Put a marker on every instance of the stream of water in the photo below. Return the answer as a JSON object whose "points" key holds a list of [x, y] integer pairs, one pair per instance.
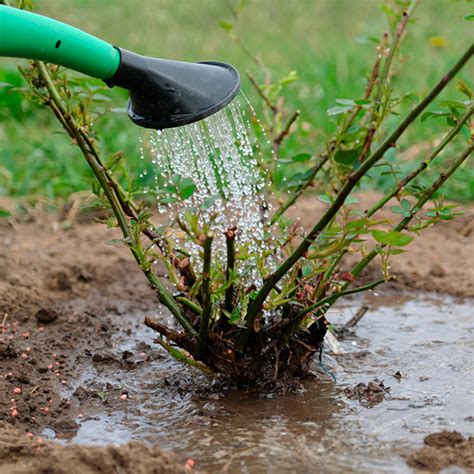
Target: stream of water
{"points": [[218, 155]]}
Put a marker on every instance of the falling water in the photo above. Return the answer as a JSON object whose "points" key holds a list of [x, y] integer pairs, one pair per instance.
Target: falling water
{"points": [[219, 155]]}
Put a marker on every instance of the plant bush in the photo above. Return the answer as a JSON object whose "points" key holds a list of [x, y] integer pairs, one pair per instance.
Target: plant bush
{"points": [[268, 333]]}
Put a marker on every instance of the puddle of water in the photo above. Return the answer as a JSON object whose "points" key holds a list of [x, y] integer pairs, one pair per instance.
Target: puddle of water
{"points": [[429, 340]]}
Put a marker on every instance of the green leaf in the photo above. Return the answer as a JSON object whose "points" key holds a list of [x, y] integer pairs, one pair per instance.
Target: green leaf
{"points": [[400, 210], [292, 76], [324, 198], [464, 88], [208, 203], [346, 102], [362, 102], [367, 40], [351, 200], [235, 316], [226, 25], [300, 157], [396, 251], [339, 110], [186, 188], [405, 204], [358, 225], [307, 270], [450, 121], [168, 200], [392, 237], [434, 114], [4, 213], [469, 17], [347, 157]]}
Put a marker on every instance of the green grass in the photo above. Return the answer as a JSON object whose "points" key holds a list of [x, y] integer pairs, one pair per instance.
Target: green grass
{"points": [[325, 41]]}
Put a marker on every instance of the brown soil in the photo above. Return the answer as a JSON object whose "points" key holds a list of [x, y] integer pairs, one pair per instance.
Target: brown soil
{"points": [[444, 449], [370, 394], [57, 287], [20, 454], [59, 284]]}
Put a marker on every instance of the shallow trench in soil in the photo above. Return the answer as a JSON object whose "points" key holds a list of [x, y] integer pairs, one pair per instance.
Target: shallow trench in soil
{"points": [[420, 345]]}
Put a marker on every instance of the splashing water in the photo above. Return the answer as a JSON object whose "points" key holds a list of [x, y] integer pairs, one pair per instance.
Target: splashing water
{"points": [[218, 155]]}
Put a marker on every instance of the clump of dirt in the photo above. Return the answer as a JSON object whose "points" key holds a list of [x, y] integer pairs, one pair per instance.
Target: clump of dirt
{"points": [[23, 453], [370, 394], [443, 449]]}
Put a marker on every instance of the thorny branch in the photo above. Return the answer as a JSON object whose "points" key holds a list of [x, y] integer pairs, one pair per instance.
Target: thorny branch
{"points": [[206, 294]]}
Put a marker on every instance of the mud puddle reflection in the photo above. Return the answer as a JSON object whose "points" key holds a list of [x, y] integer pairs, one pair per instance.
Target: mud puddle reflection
{"points": [[422, 348]]}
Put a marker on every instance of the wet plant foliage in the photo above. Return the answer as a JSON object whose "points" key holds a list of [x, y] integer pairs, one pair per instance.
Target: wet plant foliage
{"points": [[266, 330]]}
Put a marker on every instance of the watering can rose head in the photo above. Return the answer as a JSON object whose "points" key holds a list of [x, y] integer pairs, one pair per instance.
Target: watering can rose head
{"points": [[165, 93]]}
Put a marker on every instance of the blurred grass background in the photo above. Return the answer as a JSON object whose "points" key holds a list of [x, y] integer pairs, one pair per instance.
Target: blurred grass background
{"points": [[325, 41]]}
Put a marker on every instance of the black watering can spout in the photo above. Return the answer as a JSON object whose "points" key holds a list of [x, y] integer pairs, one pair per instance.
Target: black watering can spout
{"points": [[163, 93]]}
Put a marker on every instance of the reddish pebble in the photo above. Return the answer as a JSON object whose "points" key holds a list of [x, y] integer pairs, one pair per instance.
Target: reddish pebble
{"points": [[64, 382], [55, 356], [50, 366], [14, 412], [41, 328], [189, 464], [17, 390], [124, 396], [10, 337], [39, 440], [28, 349], [24, 355], [26, 335], [46, 409], [30, 434]]}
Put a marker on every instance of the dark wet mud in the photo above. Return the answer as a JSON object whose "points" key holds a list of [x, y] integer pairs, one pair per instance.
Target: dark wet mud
{"points": [[420, 350]]}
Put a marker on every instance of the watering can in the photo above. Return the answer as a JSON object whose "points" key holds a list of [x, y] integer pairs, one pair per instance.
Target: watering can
{"points": [[163, 93]]}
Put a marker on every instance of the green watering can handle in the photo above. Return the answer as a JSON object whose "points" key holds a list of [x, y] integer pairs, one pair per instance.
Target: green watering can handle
{"points": [[27, 35]]}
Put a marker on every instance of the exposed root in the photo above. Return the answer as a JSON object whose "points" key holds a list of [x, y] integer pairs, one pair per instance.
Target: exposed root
{"points": [[270, 356]]}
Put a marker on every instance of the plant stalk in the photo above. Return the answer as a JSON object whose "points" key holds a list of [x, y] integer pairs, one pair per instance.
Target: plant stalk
{"points": [[206, 296], [230, 246]]}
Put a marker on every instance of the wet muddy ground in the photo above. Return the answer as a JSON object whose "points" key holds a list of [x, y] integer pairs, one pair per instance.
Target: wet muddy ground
{"points": [[421, 350], [78, 367], [128, 389]]}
